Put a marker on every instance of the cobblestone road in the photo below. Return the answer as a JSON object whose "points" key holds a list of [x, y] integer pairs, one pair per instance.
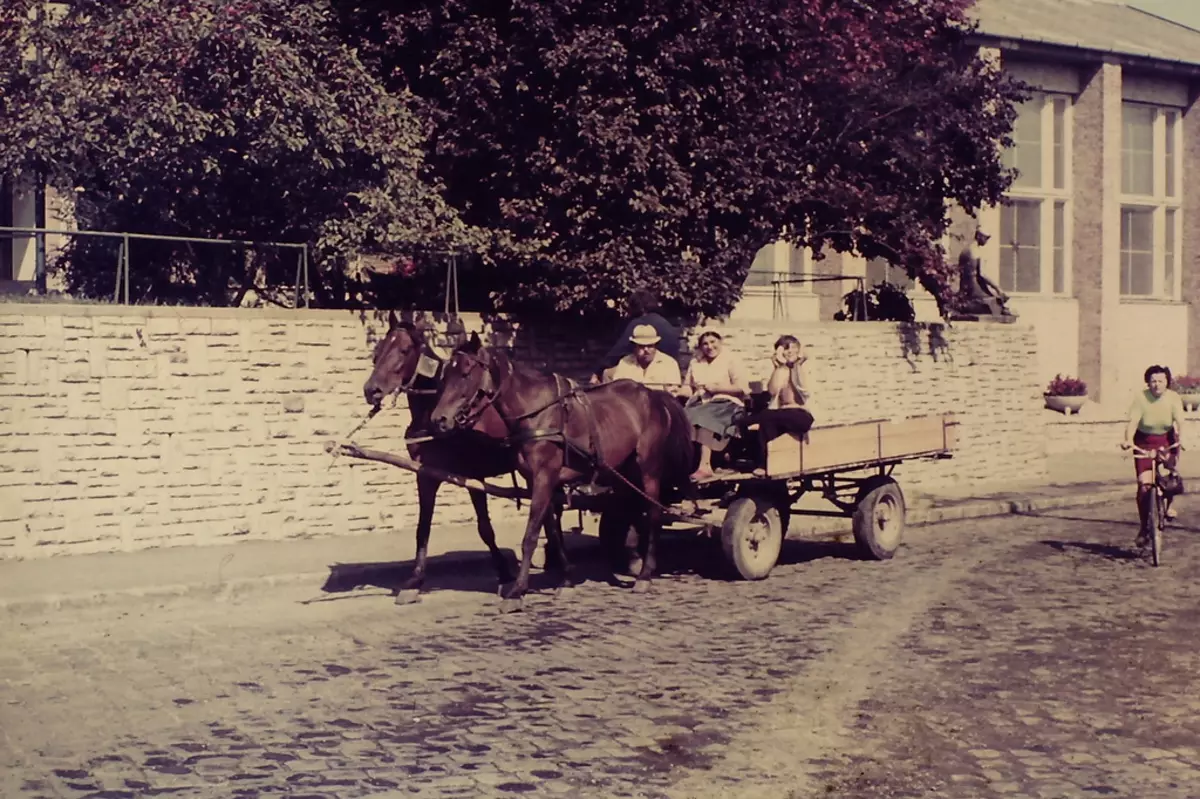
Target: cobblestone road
{"points": [[1006, 657]]}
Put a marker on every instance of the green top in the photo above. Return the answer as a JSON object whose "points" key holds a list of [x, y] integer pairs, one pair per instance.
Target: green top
{"points": [[1156, 416]]}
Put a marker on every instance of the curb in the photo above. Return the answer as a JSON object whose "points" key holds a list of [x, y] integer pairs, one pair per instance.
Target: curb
{"points": [[918, 515], [219, 592], [1007, 507]]}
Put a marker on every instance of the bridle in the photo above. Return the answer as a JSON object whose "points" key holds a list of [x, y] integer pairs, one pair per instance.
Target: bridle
{"points": [[489, 388], [424, 353]]}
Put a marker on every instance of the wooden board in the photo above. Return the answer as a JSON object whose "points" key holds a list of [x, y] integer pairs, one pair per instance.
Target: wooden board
{"points": [[861, 443]]}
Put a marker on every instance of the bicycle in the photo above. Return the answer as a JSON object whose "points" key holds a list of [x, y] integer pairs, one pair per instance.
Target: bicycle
{"points": [[1157, 511]]}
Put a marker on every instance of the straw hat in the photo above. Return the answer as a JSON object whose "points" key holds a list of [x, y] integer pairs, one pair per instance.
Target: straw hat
{"points": [[645, 335]]}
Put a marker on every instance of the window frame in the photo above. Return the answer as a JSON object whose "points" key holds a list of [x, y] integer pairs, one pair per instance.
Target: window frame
{"points": [[1159, 202], [783, 257], [1054, 279], [906, 283]]}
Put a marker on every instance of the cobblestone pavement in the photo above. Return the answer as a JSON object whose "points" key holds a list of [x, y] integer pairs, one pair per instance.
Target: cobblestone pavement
{"points": [[1004, 657]]}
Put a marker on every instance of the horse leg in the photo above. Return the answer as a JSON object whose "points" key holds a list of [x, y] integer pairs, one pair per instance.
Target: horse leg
{"points": [[488, 534], [410, 590], [542, 496], [556, 552], [651, 524]]}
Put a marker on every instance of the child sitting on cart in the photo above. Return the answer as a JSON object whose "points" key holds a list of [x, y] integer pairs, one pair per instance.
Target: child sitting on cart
{"points": [[788, 390], [715, 387]]}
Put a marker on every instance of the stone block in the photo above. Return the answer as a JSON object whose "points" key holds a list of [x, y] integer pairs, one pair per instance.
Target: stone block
{"points": [[196, 348], [114, 393], [162, 326], [19, 366], [195, 326]]}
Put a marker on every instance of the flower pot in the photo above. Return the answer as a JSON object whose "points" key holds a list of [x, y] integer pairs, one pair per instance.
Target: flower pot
{"points": [[1067, 405], [1191, 400]]}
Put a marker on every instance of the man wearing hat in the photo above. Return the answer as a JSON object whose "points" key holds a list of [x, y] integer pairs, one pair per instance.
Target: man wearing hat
{"points": [[643, 310], [646, 364]]}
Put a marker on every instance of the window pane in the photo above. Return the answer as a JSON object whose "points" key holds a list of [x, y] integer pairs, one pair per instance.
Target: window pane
{"points": [[1172, 117], [1169, 258], [1060, 147], [1060, 244], [762, 270], [1020, 246], [796, 266], [1137, 149], [1026, 153], [1137, 251]]}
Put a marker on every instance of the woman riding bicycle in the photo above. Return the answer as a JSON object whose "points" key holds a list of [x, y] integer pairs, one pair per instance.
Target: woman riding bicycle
{"points": [[1155, 423]]}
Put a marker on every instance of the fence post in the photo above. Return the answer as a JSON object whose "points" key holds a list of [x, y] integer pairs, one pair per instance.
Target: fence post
{"points": [[304, 259], [120, 266], [125, 253]]}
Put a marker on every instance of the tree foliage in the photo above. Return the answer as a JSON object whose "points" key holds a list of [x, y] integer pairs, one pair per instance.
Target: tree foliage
{"points": [[574, 149], [662, 142], [235, 119]]}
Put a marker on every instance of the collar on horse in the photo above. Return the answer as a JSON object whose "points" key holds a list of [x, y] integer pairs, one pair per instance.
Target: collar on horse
{"points": [[565, 390]]}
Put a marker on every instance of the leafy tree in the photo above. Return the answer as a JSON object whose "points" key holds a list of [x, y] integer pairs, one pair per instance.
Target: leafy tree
{"points": [[236, 119], [662, 142]]}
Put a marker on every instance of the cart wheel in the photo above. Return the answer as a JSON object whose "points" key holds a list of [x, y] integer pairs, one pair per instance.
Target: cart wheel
{"points": [[879, 518], [751, 536]]}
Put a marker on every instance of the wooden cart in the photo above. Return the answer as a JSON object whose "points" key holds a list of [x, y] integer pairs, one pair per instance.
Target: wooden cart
{"points": [[849, 465]]}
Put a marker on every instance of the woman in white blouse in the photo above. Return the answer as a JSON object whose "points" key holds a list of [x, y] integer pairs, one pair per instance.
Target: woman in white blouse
{"points": [[716, 387]]}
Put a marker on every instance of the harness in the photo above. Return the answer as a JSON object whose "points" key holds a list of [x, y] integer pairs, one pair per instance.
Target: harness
{"points": [[567, 393]]}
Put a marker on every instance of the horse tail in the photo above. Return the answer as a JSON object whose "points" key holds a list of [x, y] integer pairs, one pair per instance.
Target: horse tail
{"points": [[678, 447]]}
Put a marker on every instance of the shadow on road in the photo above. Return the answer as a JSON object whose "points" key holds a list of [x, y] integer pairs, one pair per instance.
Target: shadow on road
{"points": [[797, 552], [453, 571], [471, 571], [1103, 550]]}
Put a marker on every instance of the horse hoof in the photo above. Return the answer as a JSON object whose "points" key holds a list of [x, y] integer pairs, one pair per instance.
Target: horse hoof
{"points": [[408, 596], [511, 605], [641, 587]]}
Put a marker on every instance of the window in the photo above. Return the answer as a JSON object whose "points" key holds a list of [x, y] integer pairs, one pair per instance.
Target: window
{"points": [[880, 270], [1151, 176], [1137, 251], [1020, 246], [1035, 220], [777, 261]]}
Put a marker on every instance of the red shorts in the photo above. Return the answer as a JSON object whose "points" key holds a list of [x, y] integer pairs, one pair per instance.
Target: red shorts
{"points": [[1148, 441]]}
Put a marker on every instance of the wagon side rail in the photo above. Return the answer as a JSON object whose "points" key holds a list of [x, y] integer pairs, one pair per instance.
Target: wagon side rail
{"points": [[877, 444]]}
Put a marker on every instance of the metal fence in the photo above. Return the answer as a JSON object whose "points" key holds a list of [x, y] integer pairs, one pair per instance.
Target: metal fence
{"points": [[122, 271]]}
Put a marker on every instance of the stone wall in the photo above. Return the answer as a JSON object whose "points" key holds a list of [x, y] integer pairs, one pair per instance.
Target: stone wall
{"points": [[128, 428]]}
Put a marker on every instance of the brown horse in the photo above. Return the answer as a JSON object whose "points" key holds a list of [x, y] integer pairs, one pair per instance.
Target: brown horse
{"points": [[477, 452], [622, 434]]}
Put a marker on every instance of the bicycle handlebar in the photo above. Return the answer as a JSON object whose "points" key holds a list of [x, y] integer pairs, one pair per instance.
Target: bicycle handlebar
{"points": [[1154, 453]]}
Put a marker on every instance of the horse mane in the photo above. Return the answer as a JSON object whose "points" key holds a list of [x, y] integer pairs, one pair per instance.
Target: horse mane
{"points": [[678, 448]]}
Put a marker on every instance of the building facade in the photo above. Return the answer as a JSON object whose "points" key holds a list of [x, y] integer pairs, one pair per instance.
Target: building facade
{"points": [[1098, 241]]}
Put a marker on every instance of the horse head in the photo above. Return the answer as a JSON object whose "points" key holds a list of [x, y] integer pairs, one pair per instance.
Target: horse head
{"points": [[397, 360], [470, 383]]}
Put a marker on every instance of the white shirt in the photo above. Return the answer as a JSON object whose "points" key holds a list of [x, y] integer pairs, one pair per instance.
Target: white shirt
{"points": [[723, 370], [662, 372]]}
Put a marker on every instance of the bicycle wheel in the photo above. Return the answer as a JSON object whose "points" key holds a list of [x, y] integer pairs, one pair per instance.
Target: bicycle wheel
{"points": [[1156, 528]]}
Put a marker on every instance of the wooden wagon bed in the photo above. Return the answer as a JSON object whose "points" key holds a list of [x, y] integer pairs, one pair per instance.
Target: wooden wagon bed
{"points": [[858, 445]]}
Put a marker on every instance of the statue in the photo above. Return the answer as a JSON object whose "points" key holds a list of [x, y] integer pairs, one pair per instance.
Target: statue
{"points": [[977, 295]]}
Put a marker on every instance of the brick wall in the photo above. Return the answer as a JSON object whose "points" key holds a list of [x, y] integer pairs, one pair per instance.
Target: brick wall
{"points": [[128, 428], [1190, 277], [1087, 246], [986, 373]]}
